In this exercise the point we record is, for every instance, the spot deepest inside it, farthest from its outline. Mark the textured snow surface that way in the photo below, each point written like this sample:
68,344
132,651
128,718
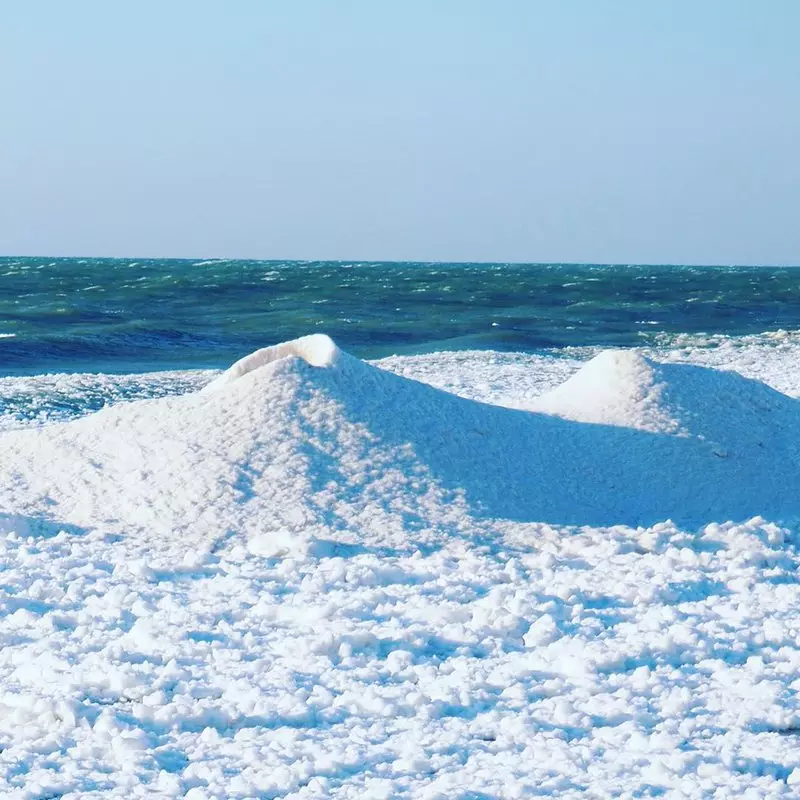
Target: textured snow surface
319,578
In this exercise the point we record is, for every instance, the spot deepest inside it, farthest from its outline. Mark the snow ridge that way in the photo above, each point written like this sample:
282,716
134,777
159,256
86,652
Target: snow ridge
304,435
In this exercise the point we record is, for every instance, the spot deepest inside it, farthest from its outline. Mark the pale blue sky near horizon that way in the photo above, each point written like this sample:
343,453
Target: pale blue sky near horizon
575,131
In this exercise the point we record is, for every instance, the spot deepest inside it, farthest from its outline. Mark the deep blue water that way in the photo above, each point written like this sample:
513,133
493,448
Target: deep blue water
121,315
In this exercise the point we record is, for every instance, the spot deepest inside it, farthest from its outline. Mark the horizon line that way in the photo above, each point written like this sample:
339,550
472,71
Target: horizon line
412,261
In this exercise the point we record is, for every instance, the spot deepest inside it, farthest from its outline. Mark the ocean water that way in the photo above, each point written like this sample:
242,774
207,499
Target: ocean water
127,329
134,316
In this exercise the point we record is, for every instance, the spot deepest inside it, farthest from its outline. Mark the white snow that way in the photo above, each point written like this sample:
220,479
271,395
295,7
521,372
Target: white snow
318,350
318,578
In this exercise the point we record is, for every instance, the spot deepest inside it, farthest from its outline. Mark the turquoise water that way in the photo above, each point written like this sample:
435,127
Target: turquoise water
113,315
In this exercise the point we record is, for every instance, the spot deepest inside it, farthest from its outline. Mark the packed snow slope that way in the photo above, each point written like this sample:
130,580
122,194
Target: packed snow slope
317,578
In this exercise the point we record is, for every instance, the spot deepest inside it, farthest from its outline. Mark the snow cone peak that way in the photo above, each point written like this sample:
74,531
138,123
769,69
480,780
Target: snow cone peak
617,387
317,350
731,413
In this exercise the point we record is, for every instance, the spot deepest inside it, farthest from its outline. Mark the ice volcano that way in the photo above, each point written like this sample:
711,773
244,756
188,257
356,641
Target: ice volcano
303,439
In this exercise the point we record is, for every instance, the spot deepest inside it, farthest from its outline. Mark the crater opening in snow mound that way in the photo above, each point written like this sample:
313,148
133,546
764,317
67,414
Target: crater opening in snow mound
318,350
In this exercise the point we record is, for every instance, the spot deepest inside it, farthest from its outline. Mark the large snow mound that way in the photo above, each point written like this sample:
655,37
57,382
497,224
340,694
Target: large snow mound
303,436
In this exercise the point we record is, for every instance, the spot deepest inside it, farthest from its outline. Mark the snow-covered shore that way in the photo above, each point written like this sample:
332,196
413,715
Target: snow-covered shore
318,578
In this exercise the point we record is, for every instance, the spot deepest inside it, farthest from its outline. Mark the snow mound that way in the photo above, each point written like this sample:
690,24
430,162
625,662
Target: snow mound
302,443
733,414
617,387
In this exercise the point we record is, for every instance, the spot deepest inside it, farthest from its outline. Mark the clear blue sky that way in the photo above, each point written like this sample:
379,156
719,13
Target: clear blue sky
604,131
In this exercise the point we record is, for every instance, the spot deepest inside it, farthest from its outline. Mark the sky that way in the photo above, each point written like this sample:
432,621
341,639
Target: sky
606,131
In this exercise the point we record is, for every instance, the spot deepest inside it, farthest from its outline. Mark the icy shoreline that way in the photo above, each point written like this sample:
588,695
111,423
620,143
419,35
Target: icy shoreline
319,578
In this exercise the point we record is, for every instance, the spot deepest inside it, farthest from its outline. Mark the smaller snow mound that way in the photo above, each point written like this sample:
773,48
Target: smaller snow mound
318,350
731,414
617,387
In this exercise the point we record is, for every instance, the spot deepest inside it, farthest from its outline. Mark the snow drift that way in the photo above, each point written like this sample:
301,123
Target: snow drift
304,440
